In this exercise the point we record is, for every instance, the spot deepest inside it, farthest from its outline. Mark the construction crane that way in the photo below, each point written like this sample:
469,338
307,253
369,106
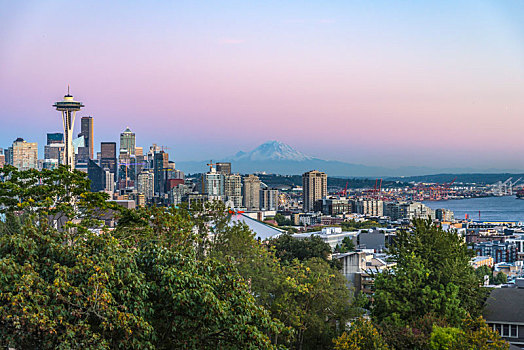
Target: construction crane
210,165
445,188
343,193
512,185
377,191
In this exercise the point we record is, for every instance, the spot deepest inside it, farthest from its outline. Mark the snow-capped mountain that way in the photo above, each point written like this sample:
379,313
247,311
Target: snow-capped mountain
278,158
271,150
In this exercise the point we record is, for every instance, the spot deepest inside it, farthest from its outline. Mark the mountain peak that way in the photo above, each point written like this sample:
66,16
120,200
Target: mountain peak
272,150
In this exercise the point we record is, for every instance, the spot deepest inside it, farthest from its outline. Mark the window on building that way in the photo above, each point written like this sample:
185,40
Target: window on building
505,330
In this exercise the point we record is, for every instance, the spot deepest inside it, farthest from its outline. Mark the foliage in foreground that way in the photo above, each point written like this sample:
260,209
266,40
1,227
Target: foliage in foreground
88,290
361,336
176,278
432,294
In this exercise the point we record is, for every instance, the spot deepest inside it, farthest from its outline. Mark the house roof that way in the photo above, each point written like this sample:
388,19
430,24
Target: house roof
261,230
505,305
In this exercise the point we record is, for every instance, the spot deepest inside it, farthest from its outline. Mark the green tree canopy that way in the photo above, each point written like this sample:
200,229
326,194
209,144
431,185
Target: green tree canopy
288,248
361,336
433,275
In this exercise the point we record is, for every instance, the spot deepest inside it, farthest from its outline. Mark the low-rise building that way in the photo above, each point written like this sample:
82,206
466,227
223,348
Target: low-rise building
499,251
359,268
504,312
331,235
479,261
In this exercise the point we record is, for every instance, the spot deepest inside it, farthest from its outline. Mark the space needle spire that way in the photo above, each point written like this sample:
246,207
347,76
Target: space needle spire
68,106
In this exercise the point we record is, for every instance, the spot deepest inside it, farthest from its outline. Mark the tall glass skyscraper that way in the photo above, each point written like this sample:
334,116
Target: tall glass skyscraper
86,130
127,141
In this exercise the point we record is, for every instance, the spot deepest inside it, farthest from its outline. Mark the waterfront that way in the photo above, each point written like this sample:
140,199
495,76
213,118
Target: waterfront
506,208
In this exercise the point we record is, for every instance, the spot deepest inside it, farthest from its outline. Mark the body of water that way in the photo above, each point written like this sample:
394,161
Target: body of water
507,208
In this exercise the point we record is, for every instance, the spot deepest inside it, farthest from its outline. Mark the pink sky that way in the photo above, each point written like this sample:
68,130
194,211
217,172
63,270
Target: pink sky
440,85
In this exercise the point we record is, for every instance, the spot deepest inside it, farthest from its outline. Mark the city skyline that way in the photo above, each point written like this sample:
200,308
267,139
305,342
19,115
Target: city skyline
375,84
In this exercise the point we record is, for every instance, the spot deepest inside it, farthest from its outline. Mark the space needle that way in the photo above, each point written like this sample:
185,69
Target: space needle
68,107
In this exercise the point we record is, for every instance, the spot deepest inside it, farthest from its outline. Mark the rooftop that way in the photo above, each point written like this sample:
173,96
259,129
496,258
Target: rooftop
262,231
505,305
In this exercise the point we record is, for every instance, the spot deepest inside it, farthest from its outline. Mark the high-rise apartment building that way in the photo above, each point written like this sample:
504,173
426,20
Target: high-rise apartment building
127,141
233,189
251,192
371,207
314,186
146,184
213,184
108,156
86,130
24,154
269,199
2,158
224,168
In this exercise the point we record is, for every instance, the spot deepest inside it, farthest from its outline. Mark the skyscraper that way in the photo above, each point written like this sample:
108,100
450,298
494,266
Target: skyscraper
56,137
68,107
24,154
127,141
86,130
96,175
160,167
314,187
108,156
54,150
252,192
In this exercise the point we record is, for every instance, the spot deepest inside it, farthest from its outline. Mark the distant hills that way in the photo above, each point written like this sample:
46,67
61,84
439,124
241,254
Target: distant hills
275,157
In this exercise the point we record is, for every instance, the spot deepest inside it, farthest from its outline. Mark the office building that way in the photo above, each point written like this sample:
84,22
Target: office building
86,131
139,151
160,168
334,206
55,138
251,192
314,187
24,154
224,168
96,175
127,141
127,169
68,107
179,194
54,151
2,158
444,215
233,189
108,157
269,199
